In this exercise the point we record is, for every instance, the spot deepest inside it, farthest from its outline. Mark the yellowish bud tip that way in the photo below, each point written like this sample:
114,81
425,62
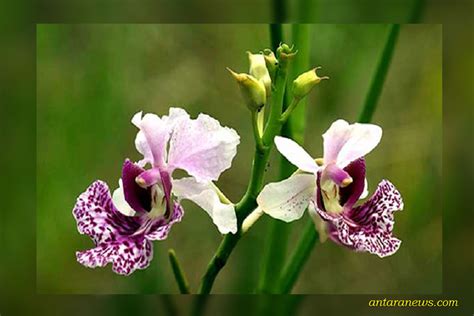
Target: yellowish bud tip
346,182
238,77
140,182
319,161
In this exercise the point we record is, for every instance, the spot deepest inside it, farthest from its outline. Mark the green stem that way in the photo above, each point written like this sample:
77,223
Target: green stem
379,77
178,273
286,115
298,259
248,202
275,247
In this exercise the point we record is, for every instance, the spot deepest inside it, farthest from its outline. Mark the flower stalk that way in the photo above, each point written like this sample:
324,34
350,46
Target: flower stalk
178,272
262,153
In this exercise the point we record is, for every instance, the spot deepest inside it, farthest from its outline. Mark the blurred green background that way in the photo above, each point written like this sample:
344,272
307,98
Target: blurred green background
91,79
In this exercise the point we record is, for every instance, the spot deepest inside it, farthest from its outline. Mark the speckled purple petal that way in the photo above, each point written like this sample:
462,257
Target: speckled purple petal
161,228
97,217
350,194
126,255
368,227
137,197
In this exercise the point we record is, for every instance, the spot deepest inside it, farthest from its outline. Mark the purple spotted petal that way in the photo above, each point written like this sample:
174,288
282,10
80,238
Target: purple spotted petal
137,197
349,195
126,255
160,229
368,227
97,217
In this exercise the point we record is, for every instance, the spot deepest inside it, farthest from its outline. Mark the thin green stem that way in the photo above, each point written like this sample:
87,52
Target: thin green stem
293,121
300,256
286,115
179,275
248,202
378,79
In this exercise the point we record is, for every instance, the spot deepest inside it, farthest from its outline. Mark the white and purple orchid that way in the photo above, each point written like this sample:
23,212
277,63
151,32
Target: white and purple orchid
330,190
147,202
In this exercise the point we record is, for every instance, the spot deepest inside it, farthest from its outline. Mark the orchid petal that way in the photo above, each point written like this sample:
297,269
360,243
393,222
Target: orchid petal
344,143
203,194
154,134
319,223
296,154
97,217
365,191
202,147
136,196
287,200
160,229
369,227
126,255
119,202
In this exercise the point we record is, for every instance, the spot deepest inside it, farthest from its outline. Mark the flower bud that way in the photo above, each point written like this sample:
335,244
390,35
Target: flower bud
258,69
253,90
305,82
285,53
271,61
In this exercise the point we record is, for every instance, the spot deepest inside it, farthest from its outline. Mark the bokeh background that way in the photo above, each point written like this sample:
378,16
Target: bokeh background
91,79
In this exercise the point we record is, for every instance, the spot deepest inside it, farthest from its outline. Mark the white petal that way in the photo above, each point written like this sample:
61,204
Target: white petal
296,154
344,143
202,147
118,199
365,193
286,200
204,195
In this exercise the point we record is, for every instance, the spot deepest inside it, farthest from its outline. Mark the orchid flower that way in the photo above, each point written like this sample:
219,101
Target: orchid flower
330,190
147,202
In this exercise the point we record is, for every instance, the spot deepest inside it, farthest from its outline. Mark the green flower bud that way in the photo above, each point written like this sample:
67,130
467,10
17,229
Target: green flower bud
305,82
271,61
285,53
253,90
258,69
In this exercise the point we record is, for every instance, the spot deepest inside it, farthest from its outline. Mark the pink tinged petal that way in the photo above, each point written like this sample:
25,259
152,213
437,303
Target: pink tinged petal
344,143
296,154
160,229
287,200
148,177
154,135
126,255
369,226
203,194
202,147
97,217
335,174
137,197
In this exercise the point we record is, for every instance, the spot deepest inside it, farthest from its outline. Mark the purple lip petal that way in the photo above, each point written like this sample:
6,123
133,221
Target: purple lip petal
137,197
350,195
